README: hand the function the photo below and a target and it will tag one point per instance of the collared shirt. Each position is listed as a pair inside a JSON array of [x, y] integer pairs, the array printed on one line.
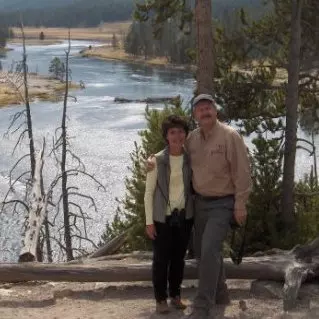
[[220, 163]]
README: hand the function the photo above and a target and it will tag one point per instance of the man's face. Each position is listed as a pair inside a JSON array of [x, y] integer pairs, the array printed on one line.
[[205, 113]]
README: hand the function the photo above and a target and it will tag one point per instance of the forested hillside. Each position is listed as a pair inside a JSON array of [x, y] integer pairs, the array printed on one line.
[[86, 13], [15, 5]]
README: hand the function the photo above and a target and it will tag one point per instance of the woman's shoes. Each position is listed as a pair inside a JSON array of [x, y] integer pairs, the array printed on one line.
[[178, 304], [163, 308]]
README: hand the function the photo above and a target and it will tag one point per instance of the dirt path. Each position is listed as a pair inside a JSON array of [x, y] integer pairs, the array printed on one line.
[[124, 301]]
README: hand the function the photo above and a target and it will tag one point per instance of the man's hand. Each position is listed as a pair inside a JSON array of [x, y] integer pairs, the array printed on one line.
[[150, 163], [151, 231], [240, 216]]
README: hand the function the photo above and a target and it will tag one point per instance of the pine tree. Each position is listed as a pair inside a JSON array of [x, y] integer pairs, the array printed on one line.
[[115, 41], [130, 212], [57, 69], [293, 49], [4, 34]]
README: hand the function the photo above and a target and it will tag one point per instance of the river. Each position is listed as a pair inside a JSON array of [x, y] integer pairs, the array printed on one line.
[[103, 132]]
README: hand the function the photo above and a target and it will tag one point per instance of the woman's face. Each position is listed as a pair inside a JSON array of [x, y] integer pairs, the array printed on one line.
[[176, 137]]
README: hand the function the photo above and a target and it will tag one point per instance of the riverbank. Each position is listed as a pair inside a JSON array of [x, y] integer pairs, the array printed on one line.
[[40, 87], [35, 41], [108, 53], [4, 50], [102, 33]]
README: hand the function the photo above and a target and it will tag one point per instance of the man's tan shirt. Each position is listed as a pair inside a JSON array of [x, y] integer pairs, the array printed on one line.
[[220, 163]]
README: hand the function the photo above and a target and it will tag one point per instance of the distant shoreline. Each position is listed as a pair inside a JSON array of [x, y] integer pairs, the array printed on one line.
[[102, 33], [35, 41], [108, 53]]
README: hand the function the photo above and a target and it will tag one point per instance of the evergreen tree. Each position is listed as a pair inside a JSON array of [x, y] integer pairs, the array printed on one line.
[[115, 41], [294, 45], [4, 34], [130, 212], [57, 69], [252, 96]]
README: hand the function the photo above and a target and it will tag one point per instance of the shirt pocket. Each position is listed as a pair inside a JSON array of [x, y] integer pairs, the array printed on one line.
[[219, 164]]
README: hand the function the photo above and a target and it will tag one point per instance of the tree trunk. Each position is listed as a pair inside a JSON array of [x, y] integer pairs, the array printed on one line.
[[37, 214], [65, 197], [293, 268], [112, 246], [47, 240], [27, 103], [291, 116], [204, 75], [263, 268]]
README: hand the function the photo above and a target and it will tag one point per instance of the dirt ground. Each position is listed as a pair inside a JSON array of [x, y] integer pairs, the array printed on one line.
[[50, 300]]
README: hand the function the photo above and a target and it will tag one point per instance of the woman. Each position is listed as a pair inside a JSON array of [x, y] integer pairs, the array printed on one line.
[[169, 213]]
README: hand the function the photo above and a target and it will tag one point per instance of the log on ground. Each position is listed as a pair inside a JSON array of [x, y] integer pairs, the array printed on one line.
[[149, 100], [264, 268]]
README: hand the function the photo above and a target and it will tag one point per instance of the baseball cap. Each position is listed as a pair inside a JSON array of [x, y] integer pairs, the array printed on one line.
[[202, 97]]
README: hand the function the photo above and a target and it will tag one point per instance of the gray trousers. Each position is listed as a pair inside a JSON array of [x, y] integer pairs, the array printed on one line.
[[212, 222]]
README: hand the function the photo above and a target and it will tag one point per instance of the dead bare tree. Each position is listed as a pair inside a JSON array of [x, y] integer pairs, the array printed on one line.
[[65, 195], [72, 211], [37, 210], [18, 80], [27, 103], [35, 201]]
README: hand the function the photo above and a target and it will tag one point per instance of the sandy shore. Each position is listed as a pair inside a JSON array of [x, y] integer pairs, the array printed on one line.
[[108, 53], [101, 33], [40, 87], [4, 50], [35, 41]]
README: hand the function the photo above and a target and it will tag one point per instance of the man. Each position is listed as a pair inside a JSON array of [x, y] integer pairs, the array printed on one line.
[[222, 183]]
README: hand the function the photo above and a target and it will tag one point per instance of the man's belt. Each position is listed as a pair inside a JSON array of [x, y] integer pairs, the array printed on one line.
[[212, 198]]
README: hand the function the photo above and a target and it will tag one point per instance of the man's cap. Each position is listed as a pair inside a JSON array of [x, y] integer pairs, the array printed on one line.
[[202, 97]]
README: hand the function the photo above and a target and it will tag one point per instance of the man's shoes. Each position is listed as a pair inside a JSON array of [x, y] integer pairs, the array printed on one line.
[[177, 303], [198, 313], [162, 307], [222, 298]]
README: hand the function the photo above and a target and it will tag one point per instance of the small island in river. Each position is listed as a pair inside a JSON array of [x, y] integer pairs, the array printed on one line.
[[41, 87]]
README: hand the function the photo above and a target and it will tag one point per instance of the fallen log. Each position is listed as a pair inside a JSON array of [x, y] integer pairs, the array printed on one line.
[[263, 268], [112, 246], [149, 100]]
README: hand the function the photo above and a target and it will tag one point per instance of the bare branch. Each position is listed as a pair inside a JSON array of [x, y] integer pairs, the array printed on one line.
[[88, 175], [18, 202], [21, 137], [87, 197], [17, 163]]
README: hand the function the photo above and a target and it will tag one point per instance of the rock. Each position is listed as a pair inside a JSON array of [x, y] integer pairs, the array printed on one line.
[[60, 294], [309, 290], [313, 313], [267, 289], [242, 305]]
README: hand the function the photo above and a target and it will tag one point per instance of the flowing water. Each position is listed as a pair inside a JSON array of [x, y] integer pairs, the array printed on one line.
[[103, 132]]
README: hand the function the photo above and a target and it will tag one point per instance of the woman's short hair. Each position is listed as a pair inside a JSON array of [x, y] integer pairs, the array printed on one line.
[[174, 121]]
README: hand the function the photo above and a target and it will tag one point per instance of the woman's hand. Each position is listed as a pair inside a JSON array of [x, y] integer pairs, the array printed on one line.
[[150, 163], [151, 231]]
